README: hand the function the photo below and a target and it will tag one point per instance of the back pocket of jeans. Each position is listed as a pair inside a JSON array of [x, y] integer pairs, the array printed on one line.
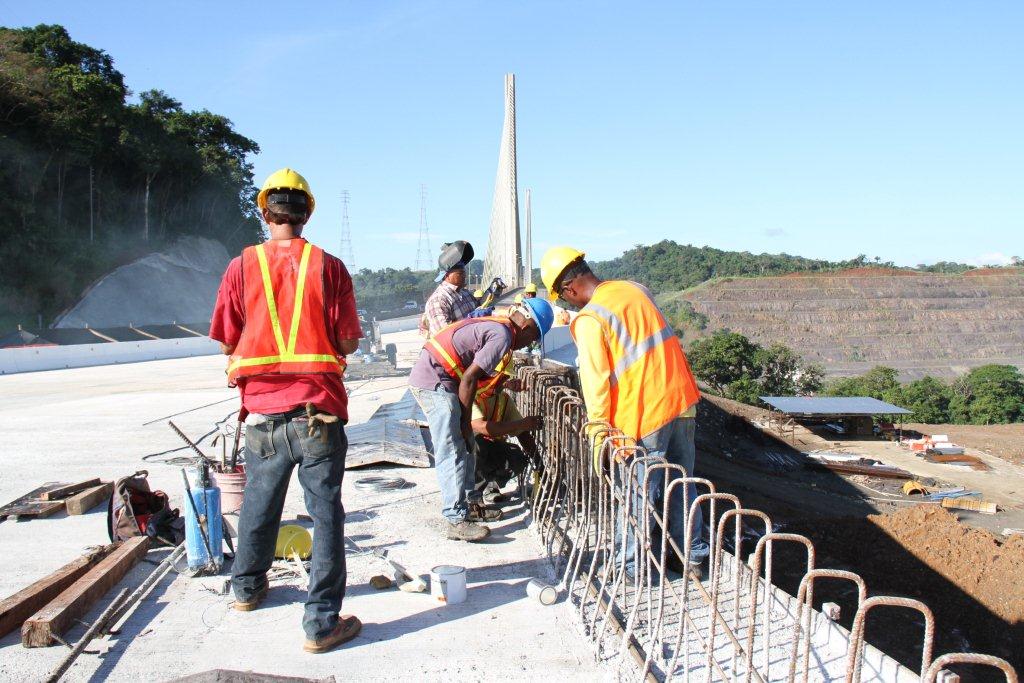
[[259, 439], [326, 441]]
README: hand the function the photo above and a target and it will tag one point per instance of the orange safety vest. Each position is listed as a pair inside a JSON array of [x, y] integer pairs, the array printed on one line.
[[651, 382], [269, 284], [442, 349]]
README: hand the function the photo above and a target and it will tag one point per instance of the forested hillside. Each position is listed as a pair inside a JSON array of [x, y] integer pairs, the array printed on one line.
[[668, 266], [94, 175]]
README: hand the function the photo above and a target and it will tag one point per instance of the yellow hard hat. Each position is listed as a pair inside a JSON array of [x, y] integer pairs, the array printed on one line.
[[554, 263], [478, 294], [292, 538], [530, 289], [284, 179], [518, 299]]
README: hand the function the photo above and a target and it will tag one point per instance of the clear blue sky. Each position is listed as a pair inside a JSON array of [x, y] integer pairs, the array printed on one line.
[[824, 129]]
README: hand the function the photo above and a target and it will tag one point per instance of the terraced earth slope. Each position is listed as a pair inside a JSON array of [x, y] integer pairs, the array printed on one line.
[[849, 321]]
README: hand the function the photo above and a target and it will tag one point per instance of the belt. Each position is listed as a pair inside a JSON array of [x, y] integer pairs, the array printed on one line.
[[285, 417]]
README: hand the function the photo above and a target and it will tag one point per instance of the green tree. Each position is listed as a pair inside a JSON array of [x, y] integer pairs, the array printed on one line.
[[722, 359], [778, 367], [681, 315], [744, 390], [743, 370], [78, 162], [810, 379], [879, 382], [928, 398], [989, 394]]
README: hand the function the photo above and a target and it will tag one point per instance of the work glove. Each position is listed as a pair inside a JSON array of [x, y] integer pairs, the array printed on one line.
[[317, 420], [482, 313]]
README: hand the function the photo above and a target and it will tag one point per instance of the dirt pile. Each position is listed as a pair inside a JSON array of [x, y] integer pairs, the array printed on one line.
[[177, 284], [973, 583]]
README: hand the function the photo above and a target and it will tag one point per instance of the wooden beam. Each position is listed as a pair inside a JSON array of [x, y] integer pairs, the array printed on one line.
[[32, 504], [80, 503], [59, 616], [66, 490], [20, 606]]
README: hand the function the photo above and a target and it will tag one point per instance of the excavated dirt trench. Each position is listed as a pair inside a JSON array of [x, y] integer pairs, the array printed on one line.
[[973, 582]]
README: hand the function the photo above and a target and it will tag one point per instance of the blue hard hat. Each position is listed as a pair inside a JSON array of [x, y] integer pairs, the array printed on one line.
[[541, 311]]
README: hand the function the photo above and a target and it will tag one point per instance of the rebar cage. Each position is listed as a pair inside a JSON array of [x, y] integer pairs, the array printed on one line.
[[590, 489]]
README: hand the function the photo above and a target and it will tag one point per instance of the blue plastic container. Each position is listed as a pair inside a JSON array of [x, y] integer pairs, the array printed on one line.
[[207, 505]]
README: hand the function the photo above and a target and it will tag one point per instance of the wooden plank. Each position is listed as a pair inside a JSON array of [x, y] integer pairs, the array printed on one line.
[[66, 490], [60, 615], [17, 608], [982, 506], [39, 508], [27, 501], [80, 503]]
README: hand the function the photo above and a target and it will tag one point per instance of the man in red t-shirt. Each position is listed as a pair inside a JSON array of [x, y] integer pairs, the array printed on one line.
[[286, 317]]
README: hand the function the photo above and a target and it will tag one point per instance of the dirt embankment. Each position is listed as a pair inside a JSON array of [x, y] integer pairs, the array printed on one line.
[[973, 584], [1002, 441], [849, 321]]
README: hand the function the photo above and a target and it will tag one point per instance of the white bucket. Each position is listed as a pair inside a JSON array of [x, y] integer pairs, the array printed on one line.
[[448, 584], [543, 593]]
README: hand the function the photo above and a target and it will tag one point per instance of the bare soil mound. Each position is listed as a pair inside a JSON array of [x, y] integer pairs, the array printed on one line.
[[178, 284], [973, 584]]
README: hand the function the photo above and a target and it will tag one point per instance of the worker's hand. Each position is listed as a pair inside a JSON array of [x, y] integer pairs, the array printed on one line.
[[514, 384], [533, 422], [482, 313]]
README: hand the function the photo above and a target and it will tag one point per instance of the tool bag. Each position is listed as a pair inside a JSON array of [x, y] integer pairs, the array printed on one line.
[[137, 510]]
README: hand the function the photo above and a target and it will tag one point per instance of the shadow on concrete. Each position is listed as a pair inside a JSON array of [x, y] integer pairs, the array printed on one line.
[[505, 583], [138, 620]]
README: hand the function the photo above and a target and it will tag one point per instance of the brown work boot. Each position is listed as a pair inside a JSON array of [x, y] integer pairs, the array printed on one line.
[[467, 531], [253, 602], [698, 570], [481, 513], [347, 628]]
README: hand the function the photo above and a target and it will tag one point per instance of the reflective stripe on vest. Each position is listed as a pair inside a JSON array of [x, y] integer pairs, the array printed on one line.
[[285, 351], [498, 407], [649, 382], [634, 351], [453, 367]]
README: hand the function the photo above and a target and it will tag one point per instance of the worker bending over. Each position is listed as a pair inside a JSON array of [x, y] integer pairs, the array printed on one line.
[[634, 377], [495, 419], [463, 363], [286, 316], [451, 301]]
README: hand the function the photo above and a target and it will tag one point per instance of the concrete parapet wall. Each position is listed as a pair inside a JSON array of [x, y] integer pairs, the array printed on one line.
[[36, 358], [409, 322]]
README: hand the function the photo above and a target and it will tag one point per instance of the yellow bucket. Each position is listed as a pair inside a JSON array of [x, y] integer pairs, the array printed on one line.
[[292, 538]]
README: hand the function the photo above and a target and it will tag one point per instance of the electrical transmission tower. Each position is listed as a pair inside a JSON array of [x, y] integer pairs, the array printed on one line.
[[346, 236], [423, 260]]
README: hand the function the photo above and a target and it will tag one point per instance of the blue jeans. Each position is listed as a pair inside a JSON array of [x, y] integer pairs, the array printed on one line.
[[273, 450], [675, 443], [455, 465]]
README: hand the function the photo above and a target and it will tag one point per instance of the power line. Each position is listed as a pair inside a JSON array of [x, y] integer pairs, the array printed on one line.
[[423, 248], [346, 235]]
